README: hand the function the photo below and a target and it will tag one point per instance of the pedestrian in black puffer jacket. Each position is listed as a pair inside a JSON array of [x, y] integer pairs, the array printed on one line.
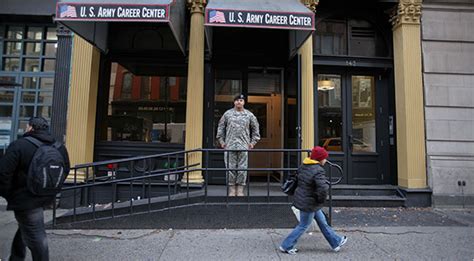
[[28, 208], [309, 197], [312, 188]]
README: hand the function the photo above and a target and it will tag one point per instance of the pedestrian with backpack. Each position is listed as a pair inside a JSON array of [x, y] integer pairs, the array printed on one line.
[[31, 174], [311, 191]]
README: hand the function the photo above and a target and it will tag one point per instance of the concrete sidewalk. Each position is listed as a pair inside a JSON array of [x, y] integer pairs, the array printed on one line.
[[379, 239], [379, 243]]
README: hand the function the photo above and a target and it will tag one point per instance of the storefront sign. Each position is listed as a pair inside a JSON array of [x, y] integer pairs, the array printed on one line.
[[111, 12], [220, 17]]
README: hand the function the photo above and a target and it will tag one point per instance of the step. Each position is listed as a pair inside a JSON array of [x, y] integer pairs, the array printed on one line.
[[367, 201], [365, 190]]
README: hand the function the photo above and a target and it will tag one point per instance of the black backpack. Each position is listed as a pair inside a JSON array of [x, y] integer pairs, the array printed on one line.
[[46, 171]]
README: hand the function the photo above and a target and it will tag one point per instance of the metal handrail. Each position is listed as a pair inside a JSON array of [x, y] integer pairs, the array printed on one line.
[[147, 174]]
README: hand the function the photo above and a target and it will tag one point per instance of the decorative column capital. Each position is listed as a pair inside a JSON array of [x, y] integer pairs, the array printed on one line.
[[311, 4], [197, 6], [407, 12], [61, 30]]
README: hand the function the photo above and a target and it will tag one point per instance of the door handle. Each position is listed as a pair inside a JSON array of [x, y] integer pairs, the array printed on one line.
[[351, 141]]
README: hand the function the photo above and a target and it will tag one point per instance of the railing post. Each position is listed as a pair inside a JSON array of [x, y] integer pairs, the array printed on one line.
[[330, 195], [130, 197], [114, 188], [169, 183], [74, 197], [187, 177], [206, 181]]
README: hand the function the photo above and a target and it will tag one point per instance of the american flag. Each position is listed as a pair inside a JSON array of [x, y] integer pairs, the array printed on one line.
[[216, 17], [67, 11]]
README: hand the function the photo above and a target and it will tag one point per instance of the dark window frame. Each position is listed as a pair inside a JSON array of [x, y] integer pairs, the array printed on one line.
[[21, 74]]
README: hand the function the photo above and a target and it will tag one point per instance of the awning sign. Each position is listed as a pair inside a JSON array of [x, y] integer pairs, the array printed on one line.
[[111, 12], [221, 17]]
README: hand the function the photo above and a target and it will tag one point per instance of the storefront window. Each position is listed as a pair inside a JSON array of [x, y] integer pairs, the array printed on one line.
[[145, 108]]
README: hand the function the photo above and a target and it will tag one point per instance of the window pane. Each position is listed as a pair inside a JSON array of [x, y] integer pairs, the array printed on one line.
[[145, 88], [126, 92], [11, 64], [50, 49], [12, 48], [33, 49], [264, 82], [30, 82], [28, 97], [15, 32], [51, 34], [49, 65], [6, 96], [6, 110], [9, 79], [331, 37], [5, 130], [45, 97], [47, 83], [144, 108], [27, 111], [31, 65], [35, 33], [330, 111], [44, 111], [363, 114]]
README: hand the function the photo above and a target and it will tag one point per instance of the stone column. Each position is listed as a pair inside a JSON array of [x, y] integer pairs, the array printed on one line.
[[307, 88], [409, 95], [195, 90], [81, 113]]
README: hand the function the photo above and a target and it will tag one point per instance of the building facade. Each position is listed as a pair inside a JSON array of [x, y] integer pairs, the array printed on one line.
[[356, 78], [448, 55]]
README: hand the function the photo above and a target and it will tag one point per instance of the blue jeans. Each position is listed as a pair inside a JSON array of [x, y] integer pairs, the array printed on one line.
[[305, 221], [31, 233]]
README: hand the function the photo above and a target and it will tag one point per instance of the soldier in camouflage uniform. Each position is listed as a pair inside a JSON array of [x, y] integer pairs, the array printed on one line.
[[238, 130]]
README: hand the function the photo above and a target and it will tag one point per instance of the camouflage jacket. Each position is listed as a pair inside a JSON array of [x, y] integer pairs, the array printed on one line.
[[238, 129]]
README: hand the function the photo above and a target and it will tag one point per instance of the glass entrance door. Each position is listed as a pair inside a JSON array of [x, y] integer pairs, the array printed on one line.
[[352, 119]]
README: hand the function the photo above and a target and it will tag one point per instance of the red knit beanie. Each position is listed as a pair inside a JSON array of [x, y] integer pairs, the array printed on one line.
[[319, 153]]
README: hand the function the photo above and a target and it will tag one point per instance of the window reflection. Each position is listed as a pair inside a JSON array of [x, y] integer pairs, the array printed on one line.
[[145, 108], [330, 111], [228, 84]]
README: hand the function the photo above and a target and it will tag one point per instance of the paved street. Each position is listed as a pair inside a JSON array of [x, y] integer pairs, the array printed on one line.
[[453, 241]]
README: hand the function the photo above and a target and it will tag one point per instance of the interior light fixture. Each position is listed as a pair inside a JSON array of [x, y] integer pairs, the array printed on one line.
[[326, 85]]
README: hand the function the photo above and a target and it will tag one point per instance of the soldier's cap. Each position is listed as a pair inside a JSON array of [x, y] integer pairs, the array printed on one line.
[[240, 96]]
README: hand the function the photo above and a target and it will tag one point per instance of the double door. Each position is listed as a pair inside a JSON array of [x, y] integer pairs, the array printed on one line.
[[353, 123]]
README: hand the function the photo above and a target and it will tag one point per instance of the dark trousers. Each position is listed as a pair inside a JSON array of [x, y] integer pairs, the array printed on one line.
[[31, 234]]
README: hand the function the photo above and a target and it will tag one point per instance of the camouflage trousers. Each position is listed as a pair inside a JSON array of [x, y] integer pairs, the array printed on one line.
[[236, 160]]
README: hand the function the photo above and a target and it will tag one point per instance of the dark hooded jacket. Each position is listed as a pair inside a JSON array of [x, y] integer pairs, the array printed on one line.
[[313, 186], [14, 168]]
